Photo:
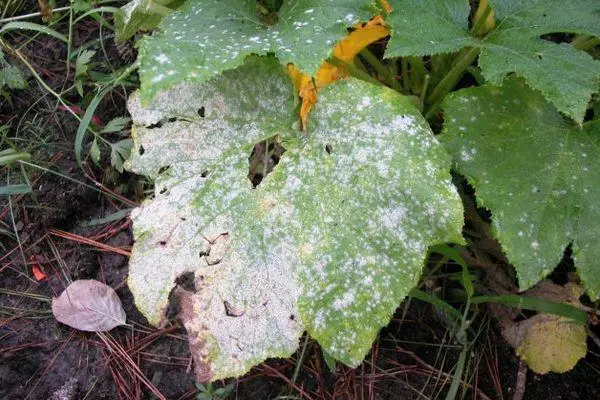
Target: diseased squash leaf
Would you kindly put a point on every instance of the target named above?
(331, 241)
(535, 172)
(207, 37)
(567, 77)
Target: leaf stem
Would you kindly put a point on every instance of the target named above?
(424, 89)
(404, 74)
(481, 21)
(381, 69)
(456, 72)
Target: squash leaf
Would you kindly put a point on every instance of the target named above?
(331, 241)
(207, 37)
(567, 77)
(535, 172)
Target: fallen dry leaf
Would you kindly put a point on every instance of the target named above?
(89, 305)
(546, 342)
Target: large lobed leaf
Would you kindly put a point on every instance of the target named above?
(330, 242)
(535, 172)
(567, 77)
(207, 37)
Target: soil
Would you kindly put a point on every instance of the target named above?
(413, 358)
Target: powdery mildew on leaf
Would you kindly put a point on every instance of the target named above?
(89, 305)
(370, 209)
(567, 77)
(535, 172)
(331, 241)
(206, 37)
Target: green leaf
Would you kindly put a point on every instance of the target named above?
(116, 125)
(95, 152)
(142, 15)
(330, 242)
(567, 77)
(10, 190)
(206, 37)
(9, 156)
(535, 172)
(119, 152)
(83, 59)
(12, 77)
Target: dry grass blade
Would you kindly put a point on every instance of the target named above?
(82, 239)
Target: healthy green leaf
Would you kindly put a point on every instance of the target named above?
(142, 15)
(535, 172)
(116, 125)
(10, 76)
(95, 152)
(331, 241)
(567, 77)
(207, 37)
(82, 63)
(10, 190)
(119, 152)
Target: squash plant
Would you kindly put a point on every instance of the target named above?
(334, 238)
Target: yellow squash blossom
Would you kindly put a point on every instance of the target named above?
(345, 50)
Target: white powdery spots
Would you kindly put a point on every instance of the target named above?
(293, 183)
(344, 302)
(392, 218)
(535, 245)
(162, 58)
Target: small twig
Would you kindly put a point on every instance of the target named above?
(521, 380)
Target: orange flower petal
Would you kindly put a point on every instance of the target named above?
(346, 50)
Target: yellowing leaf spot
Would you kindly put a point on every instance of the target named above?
(345, 50)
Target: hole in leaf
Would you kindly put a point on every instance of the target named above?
(163, 242)
(328, 148)
(232, 311)
(204, 174)
(186, 281)
(558, 37)
(154, 126)
(160, 123)
(263, 159)
(162, 170)
(142, 150)
(163, 191)
(201, 111)
(539, 56)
